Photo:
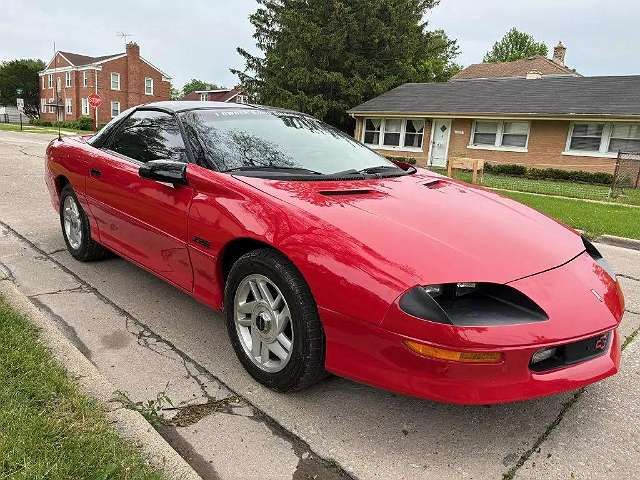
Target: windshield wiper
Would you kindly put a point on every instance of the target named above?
(258, 168)
(368, 170)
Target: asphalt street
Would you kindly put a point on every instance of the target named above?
(149, 339)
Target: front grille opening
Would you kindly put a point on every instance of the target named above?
(572, 353)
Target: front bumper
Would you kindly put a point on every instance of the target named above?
(377, 354)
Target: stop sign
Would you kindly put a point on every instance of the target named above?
(94, 100)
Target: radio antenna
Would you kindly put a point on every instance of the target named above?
(55, 84)
(124, 37)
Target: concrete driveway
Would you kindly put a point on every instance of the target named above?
(149, 340)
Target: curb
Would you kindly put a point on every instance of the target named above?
(130, 424)
(619, 241)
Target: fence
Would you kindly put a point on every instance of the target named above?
(12, 115)
(621, 186)
(627, 174)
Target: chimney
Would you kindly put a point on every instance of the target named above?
(135, 82)
(559, 53)
(534, 75)
(133, 49)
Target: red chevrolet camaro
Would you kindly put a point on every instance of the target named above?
(326, 257)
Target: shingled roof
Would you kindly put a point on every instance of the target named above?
(517, 68)
(78, 60)
(548, 96)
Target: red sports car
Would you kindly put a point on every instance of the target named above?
(326, 257)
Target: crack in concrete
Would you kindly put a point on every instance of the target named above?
(301, 448)
(7, 273)
(526, 455)
(78, 289)
(67, 330)
(628, 277)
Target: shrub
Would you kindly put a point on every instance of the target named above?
(499, 169)
(83, 123)
(599, 178)
(40, 123)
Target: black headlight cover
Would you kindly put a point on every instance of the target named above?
(597, 257)
(488, 304)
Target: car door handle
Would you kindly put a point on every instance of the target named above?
(95, 172)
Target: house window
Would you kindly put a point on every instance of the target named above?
(85, 106)
(67, 79)
(58, 84)
(394, 133)
(52, 109)
(241, 99)
(586, 137)
(115, 81)
(115, 109)
(148, 86)
(203, 97)
(43, 105)
(625, 138)
(67, 106)
(603, 139)
(372, 129)
(50, 81)
(85, 78)
(413, 133)
(500, 135)
(43, 85)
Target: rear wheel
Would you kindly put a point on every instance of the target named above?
(76, 230)
(273, 322)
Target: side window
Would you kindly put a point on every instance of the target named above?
(149, 135)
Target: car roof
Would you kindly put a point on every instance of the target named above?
(185, 105)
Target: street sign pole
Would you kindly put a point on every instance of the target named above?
(20, 106)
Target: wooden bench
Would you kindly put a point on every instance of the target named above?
(474, 165)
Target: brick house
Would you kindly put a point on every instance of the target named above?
(235, 95)
(122, 80)
(567, 122)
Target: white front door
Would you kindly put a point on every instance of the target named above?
(440, 133)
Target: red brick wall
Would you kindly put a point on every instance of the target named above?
(132, 70)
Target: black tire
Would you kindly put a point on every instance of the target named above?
(306, 364)
(88, 250)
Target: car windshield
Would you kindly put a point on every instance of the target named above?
(285, 143)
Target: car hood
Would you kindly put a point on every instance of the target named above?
(431, 229)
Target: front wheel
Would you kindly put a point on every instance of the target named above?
(273, 322)
(76, 230)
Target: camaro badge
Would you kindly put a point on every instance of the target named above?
(597, 295)
(601, 343)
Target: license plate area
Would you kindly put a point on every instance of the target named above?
(575, 352)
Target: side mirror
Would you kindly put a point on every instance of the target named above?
(165, 171)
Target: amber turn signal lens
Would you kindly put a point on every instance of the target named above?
(620, 295)
(452, 355)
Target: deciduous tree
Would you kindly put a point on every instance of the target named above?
(514, 46)
(21, 76)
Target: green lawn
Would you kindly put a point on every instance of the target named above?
(594, 218)
(11, 127)
(554, 187)
(47, 428)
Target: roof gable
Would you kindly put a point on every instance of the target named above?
(517, 68)
(547, 96)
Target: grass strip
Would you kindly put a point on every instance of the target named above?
(48, 429)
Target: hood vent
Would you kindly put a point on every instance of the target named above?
(435, 183)
(351, 191)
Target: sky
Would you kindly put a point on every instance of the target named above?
(198, 38)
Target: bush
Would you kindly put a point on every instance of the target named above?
(83, 123)
(40, 123)
(599, 178)
(515, 170)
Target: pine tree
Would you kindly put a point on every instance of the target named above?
(325, 56)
